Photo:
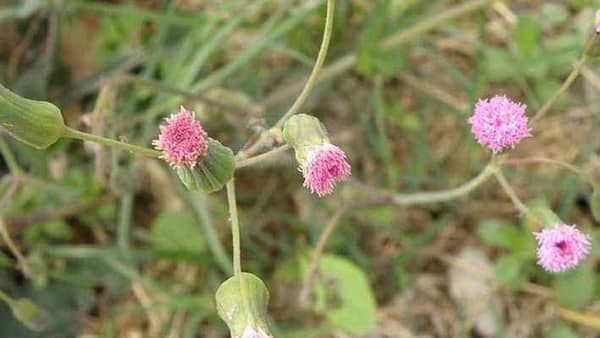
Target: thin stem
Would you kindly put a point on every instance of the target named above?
(565, 165)
(14, 249)
(314, 263)
(235, 227)
(76, 134)
(262, 157)
(446, 195)
(568, 82)
(6, 298)
(345, 63)
(510, 192)
(9, 158)
(310, 83)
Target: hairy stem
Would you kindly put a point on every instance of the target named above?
(312, 79)
(262, 157)
(308, 86)
(235, 227)
(446, 195)
(76, 134)
(14, 249)
(510, 192)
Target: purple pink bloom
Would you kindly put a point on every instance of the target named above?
(562, 247)
(324, 166)
(597, 21)
(498, 123)
(250, 332)
(182, 140)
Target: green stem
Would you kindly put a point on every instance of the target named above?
(9, 158)
(346, 62)
(312, 79)
(446, 195)
(523, 209)
(6, 298)
(262, 157)
(76, 134)
(310, 83)
(235, 227)
(14, 249)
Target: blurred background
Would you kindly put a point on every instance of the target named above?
(116, 247)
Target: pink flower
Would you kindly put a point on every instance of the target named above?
(498, 123)
(597, 21)
(324, 166)
(182, 139)
(562, 247)
(251, 332)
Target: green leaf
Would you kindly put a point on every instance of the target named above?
(498, 233)
(28, 313)
(560, 330)
(212, 173)
(177, 231)
(242, 302)
(575, 288)
(509, 271)
(499, 65)
(344, 295)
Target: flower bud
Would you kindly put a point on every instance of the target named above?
(242, 303)
(212, 172)
(322, 164)
(541, 216)
(28, 313)
(37, 123)
(304, 132)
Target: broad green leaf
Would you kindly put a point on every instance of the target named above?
(574, 288)
(509, 271)
(499, 65)
(561, 330)
(344, 295)
(177, 231)
(498, 233)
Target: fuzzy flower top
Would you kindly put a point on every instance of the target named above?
(324, 166)
(562, 247)
(250, 332)
(498, 123)
(182, 140)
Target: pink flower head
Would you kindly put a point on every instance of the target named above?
(182, 139)
(324, 166)
(251, 332)
(597, 21)
(498, 123)
(562, 247)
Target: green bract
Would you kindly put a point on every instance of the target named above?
(242, 302)
(212, 172)
(37, 123)
(303, 132)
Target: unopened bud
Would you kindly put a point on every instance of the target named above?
(242, 303)
(37, 123)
